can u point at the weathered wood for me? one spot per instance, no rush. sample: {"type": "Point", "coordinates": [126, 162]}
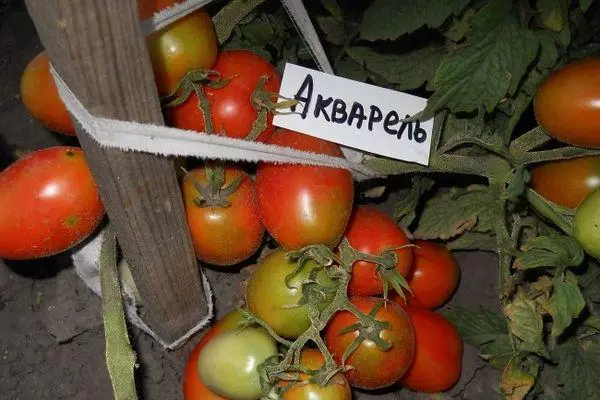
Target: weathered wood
{"type": "Point", "coordinates": [98, 48]}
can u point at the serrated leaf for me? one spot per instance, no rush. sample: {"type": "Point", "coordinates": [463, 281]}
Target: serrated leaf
{"type": "Point", "coordinates": [550, 252]}
{"type": "Point", "coordinates": [590, 282]}
{"type": "Point", "coordinates": [578, 370]}
{"type": "Point", "coordinates": [566, 303]}
{"type": "Point", "coordinates": [487, 69]}
{"type": "Point", "coordinates": [474, 241]}
{"type": "Point", "coordinates": [553, 14]}
{"type": "Point", "coordinates": [406, 71]}
{"type": "Point", "coordinates": [517, 381]}
{"type": "Point", "coordinates": [408, 16]}
{"type": "Point", "coordinates": [335, 30]}
{"type": "Point", "coordinates": [348, 68]}
{"type": "Point", "coordinates": [405, 208]}
{"type": "Point", "coordinates": [455, 212]}
{"type": "Point", "coordinates": [525, 322]}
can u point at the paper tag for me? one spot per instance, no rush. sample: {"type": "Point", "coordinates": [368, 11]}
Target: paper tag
{"type": "Point", "coordinates": [355, 114]}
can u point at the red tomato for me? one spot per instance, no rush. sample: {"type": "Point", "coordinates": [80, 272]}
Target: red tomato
{"type": "Point", "coordinates": [373, 368]}
{"type": "Point", "coordinates": [438, 356]}
{"type": "Point", "coordinates": [223, 235]}
{"type": "Point", "coordinates": [40, 96]}
{"type": "Point", "coordinates": [193, 388]}
{"type": "Point", "coordinates": [372, 231]}
{"type": "Point", "coordinates": [567, 103]}
{"type": "Point", "coordinates": [337, 388]}
{"type": "Point", "coordinates": [300, 204]}
{"type": "Point", "coordinates": [49, 202]}
{"type": "Point", "coordinates": [232, 110]}
{"type": "Point", "coordinates": [567, 182]}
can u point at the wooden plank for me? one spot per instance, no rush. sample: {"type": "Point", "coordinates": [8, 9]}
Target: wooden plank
{"type": "Point", "coordinates": [98, 48]}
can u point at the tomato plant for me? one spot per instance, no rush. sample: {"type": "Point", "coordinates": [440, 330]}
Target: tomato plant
{"type": "Point", "coordinates": [567, 103]}
{"type": "Point", "coordinates": [586, 228]}
{"type": "Point", "coordinates": [232, 109]}
{"type": "Point", "coordinates": [300, 204]}
{"type": "Point", "coordinates": [193, 387]}
{"type": "Point", "coordinates": [373, 368]}
{"type": "Point", "coordinates": [372, 231]}
{"type": "Point", "coordinates": [337, 388]}
{"type": "Point", "coordinates": [222, 215]}
{"type": "Point", "coordinates": [228, 363]}
{"type": "Point", "coordinates": [567, 182]}
{"type": "Point", "coordinates": [277, 300]}
{"type": "Point", "coordinates": [438, 353]}
{"type": "Point", "coordinates": [40, 96]}
{"type": "Point", "coordinates": [49, 202]}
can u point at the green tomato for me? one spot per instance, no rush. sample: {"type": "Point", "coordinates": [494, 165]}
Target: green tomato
{"type": "Point", "coordinates": [228, 364]}
{"type": "Point", "coordinates": [586, 229]}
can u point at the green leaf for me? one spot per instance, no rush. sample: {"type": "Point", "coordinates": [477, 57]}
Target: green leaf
{"type": "Point", "coordinates": [550, 251]}
{"type": "Point", "coordinates": [590, 282]}
{"type": "Point", "coordinates": [525, 322]}
{"type": "Point", "coordinates": [390, 19]}
{"type": "Point", "coordinates": [455, 212]}
{"type": "Point", "coordinates": [334, 9]}
{"type": "Point", "coordinates": [518, 379]}
{"type": "Point", "coordinates": [553, 14]}
{"type": "Point", "coordinates": [405, 208]}
{"type": "Point", "coordinates": [566, 303]}
{"type": "Point", "coordinates": [585, 4]}
{"type": "Point", "coordinates": [348, 68]}
{"type": "Point", "coordinates": [578, 370]}
{"type": "Point", "coordinates": [593, 322]}
{"type": "Point", "coordinates": [231, 15]}
{"type": "Point", "coordinates": [474, 241]}
{"type": "Point", "coordinates": [406, 71]}
{"type": "Point", "coordinates": [548, 50]}
{"type": "Point", "coordinates": [488, 68]}
{"type": "Point", "coordinates": [335, 30]}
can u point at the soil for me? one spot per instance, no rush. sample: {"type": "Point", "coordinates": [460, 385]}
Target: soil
{"type": "Point", "coordinates": [51, 334]}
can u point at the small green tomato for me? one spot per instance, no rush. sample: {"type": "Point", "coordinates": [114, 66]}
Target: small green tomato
{"type": "Point", "coordinates": [586, 229]}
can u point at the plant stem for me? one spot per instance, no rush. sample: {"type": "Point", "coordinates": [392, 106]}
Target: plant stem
{"type": "Point", "coordinates": [558, 154]}
{"type": "Point", "coordinates": [529, 141]}
{"type": "Point", "coordinates": [560, 216]}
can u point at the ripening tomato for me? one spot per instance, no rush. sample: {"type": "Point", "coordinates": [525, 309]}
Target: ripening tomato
{"type": "Point", "coordinates": [438, 357]}
{"type": "Point", "coordinates": [567, 103]}
{"type": "Point", "coordinates": [223, 234]}
{"type": "Point", "coordinates": [372, 231]}
{"type": "Point", "coordinates": [270, 297]}
{"type": "Point", "coordinates": [586, 228]}
{"type": "Point", "coordinates": [193, 387]}
{"type": "Point", "coordinates": [567, 182]}
{"type": "Point", "coordinates": [301, 204]}
{"type": "Point", "coordinates": [40, 96]}
{"type": "Point", "coordinates": [186, 44]}
{"type": "Point", "coordinates": [337, 388]}
{"type": "Point", "coordinates": [228, 364]}
{"type": "Point", "coordinates": [49, 202]}
{"type": "Point", "coordinates": [231, 107]}
{"type": "Point", "coordinates": [373, 368]}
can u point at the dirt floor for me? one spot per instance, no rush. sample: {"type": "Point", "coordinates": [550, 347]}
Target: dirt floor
{"type": "Point", "coordinates": [51, 335]}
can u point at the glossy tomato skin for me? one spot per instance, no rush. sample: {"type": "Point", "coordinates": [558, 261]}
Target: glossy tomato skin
{"type": "Point", "coordinates": [186, 44]}
{"type": "Point", "coordinates": [228, 363]}
{"type": "Point", "coordinates": [438, 356]}
{"type": "Point", "coordinates": [434, 276]}
{"type": "Point", "coordinates": [302, 205]}
{"type": "Point", "coordinates": [231, 107]}
{"type": "Point", "coordinates": [567, 182]}
{"type": "Point", "coordinates": [268, 297]}
{"type": "Point", "coordinates": [49, 202]}
{"type": "Point", "coordinates": [193, 387]}
{"type": "Point", "coordinates": [337, 388]}
{"type": "Point", "coordinates": [567, 103]}
{"type": "Point", "coordinates": [224, 235]}
{"type": "Point", "coordinates": [40, 96]}
{"type": "Point", "coordinates": [372, 231]}
{"type": "Point", "coordinates": [373, 368]}
{"type": "Point", "coordinates": [586, 228]}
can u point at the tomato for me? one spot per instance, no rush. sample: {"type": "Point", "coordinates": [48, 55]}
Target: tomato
{"type": "Point", "coordinates": [434, 276]}
{"type": "Point", "coordinates": [301, 204]}
{"type": "Point", "coordinates": [438, 356]}
{"type": "Point", "coordinates": [337, 388]}
{"type": "Point", "coordinates": [372, 231]}
{"type": "Point", "coordinates": [193, 387]}
{"type": "Point", "coordinates": [186, 44]}
{"type": "Point", "coordinates": [567, 182]}
{"type": "Point", "coordinates": [586, 228]}
{"type": "Point", "coordinates": [269, 298]}
{"type": "Point", "coordinates": [228, 363]}
{"type": "Point", "coordinates": [49, 202]}
{"type": "Point", "coordinates": [223, 235]}
{"type": "Point", "coordinates": [373, 368]}
{"type": "Point", "coordinates": [40, 96]}
{"type": "Point", "coordinates": [567, 103]}
{"type": "Point", "coordinates": [232, 110]}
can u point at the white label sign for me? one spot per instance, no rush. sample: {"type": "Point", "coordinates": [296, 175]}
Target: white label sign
{"type": "Point", "coordinates": [355, 114]}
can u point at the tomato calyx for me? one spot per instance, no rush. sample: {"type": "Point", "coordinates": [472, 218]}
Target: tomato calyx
{"type": "Point", "coordinates": [215, 193]}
